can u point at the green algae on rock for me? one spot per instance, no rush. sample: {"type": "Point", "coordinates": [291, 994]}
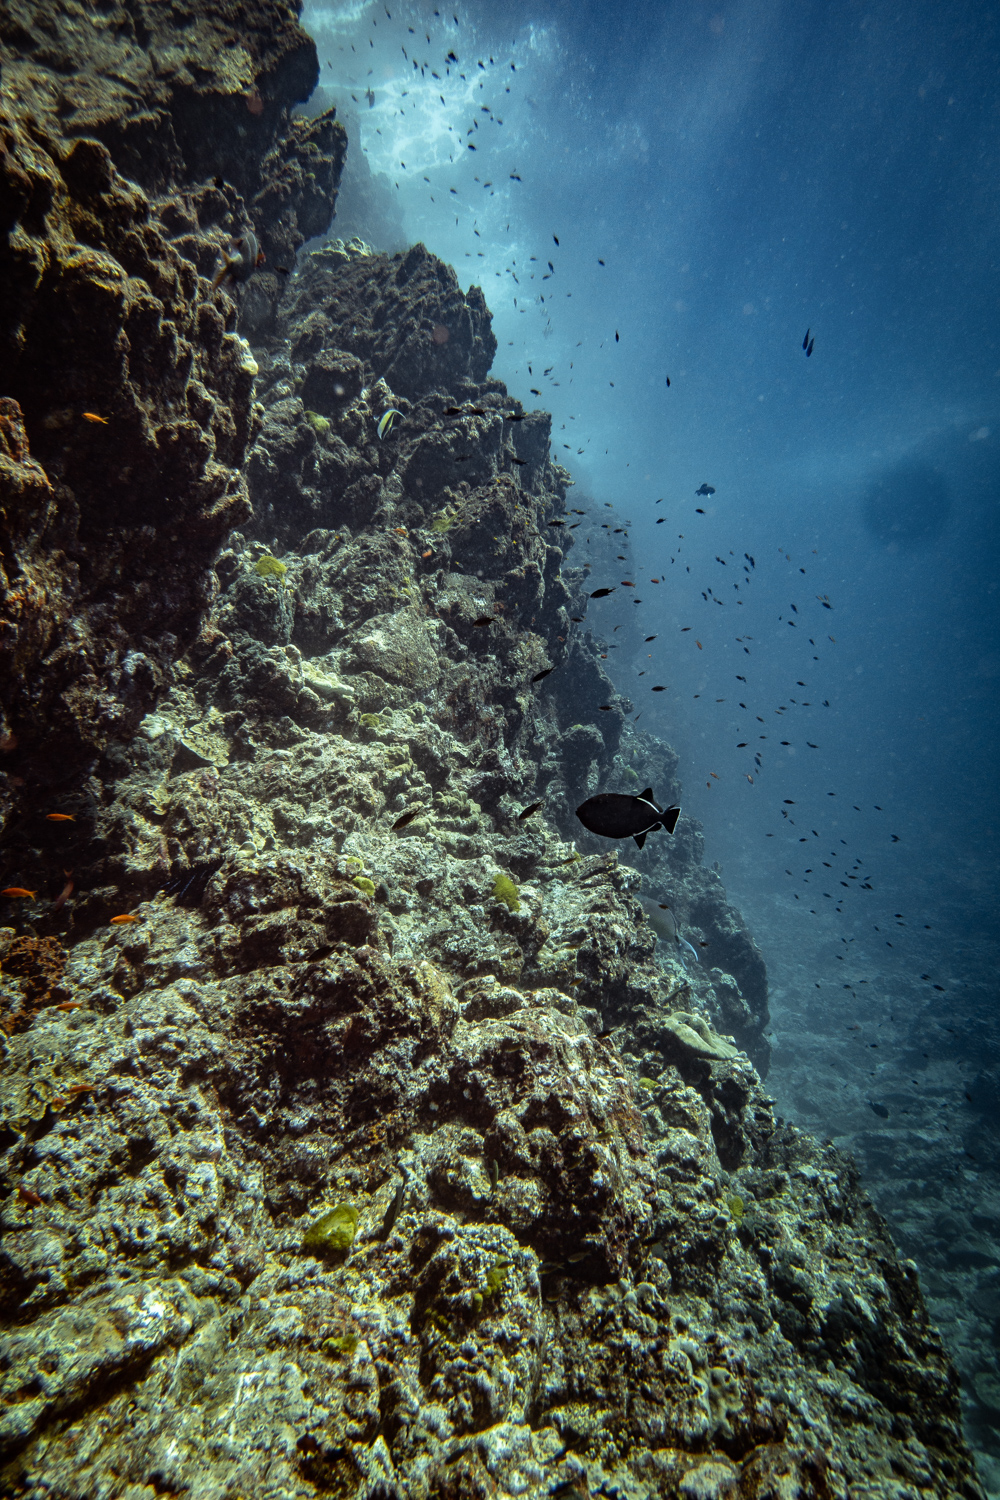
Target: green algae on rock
{"type": "Point", "coordinates": [269, 567]}
{"type": "Point", "coordinates": [506, 891]}
{"type": "Point", "coordinates": [333, 1231]}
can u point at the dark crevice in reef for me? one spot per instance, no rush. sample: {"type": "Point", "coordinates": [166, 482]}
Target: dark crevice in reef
{"type": "Point", "coordinates": [357, 1133]}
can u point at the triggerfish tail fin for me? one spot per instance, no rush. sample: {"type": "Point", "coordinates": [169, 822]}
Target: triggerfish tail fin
{"type": "Point", "coordinates": [640, 838]}
{"type": "Point", "coordinates": [670, 816]}
{"type": "Point", "coordinates": [221, 274]}
{"type": "Point", "coordinates": [684, 942]}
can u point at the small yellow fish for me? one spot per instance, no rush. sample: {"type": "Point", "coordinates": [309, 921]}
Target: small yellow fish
{"type": "Point", "coordinates": [120, 921]}
{"type": "Point", "coordinates": [18, 890]}
{"type": "Point", "coordinates": [385, 421]}
{"type": "Point", "coordinates": [91, 416]}
{"type": "Point", "coordinates": [60, 818]}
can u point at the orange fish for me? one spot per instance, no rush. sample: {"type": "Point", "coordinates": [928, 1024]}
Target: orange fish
{"type": "Point", "coordinates": [699, 645]}
{"type": "Point", "coordinates": [60, 817]}
{"type": "Point", "coordinates": [91, 416]}
{"type": "Point", "coordinates": [70, 1005]}
{"type": "Point", "coordinates": [427, 553]}
{"type": "Point", "coordinates": [399, 530]}
{"type": "Point", "coordinates": [120, 921]}
{"type": "Point", "coordinates": [18, 890]}
{"type": "Point", "coordinates": [28, 1195]}
{"type": "Point", "coordinates": [81, 1088]}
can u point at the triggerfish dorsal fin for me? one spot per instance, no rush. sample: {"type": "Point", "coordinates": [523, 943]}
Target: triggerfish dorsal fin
{"type": "Point", "coordinates": [648, 794]}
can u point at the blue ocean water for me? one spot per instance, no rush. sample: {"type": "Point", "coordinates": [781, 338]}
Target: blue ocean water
{"type": "Point", "coordinates": [663, 190]}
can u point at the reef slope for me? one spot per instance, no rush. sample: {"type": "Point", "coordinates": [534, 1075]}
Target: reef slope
{"type": "Point", "coordinates": [381, 1150]}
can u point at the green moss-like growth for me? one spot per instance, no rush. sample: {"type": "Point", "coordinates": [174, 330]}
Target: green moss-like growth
{"type": "Point", "coordinates": [269, 567]}
{"type": "Point", "coordinates": [496, 1276]}
{"type": "Point", "coordinates": [365, 885]}
{"type": "Point", "coordinates": [320, 425]}
{"type": "Point", "coordinates": [736, 1207]}
{"type": "Point", "coordinates": [332, 1233]}
{"type": "Point", "coordinates": [649, 1083]}
{"type": "Point", "coordinates": [342, 1344]}
{"type": "Point", "coordinates": [442, 522]}
{"type": "Point", "coordinates": [505, 890]}
{"type": "Point", "coordinates": [370, 721]}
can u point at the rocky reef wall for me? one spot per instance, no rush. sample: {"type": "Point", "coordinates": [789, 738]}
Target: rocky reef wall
{"type": "Point", "coordinates": [357, 1135]}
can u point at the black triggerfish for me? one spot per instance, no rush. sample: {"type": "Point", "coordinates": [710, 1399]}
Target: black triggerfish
{"type": "Point", "coordinates": [615, 815]}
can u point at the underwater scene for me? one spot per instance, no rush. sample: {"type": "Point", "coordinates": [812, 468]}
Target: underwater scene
{"type": "Point", "coordinates": [424, 1073]}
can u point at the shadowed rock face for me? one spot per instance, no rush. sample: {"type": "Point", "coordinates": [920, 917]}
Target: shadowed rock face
{"type": "Point", "coordinates": [129, 165]}
{"type": "Point", "coordinates": [348, 982]}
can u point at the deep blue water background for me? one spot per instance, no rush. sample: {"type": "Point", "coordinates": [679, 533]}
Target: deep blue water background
{"type": "Point", "coordinates": [746, 171]}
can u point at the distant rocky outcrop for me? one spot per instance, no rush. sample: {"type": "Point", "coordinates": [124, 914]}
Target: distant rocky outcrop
{"type": "Point", "coordinates": [357, 1136]}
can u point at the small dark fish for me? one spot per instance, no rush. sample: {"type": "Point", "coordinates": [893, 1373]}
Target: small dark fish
{"type": "Point", "coordinates": [190, 885]}
{"type": "Point", "coordinates": [577, 619]}
{"type": "Point", "coordinates": [616, 335]}
{"type": "Point", "coordinates": [453, 411]}
{"type": "Point", "coordinates": [650, 638]}
{"type": "Point", "coordinates": [393, 1211]}
{"type": "Point", "coordinates": [494, 1170]}
{"type": "Point", "coordinates": [658, 690]}
{"type": "Point", "coordinates": [812, 345]}
{"type": "Point", "coordinates": [513, 416]}
{"type": "Point", "coordinates": [706, 489]}
{"type": "Point", "coordinates": [539, 675]}
{"type": "Point", "coordinates": [698, 509]}
{"type": "Point", "coordinates": [521, 461]}
{"type": "Point", "coordinates": [805, 341]}
{"type": "Point", "coordinates": [528, 812]}
{"type": "Point", "coordinates": [878, 1109]}
{"type": "Point", "coordinates": [668, 382]}
{"type": "Point", "coordinates": [407, 817]}
{"type": "Point", "coordinates": [601, 593]}
{"type": "Point", "coordinates": [483, 620]}
{"type": "Point", "coordinates": [556, 523]}
{"type": "Point", "coordinates": [241, 262]}
{"type": "Point", "coordinates": [614, 815]}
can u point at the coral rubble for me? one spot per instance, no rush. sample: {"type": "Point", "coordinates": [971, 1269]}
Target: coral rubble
{"type": "Point", "coordinates": [357, 1136]}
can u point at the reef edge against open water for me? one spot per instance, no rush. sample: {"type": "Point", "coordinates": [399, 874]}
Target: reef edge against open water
{"type": "Point", "coordinates": [358, 1137]}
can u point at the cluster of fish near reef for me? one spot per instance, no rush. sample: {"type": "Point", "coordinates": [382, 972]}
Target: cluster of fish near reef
{"type": "Point", "coordinates": [357, 1135]}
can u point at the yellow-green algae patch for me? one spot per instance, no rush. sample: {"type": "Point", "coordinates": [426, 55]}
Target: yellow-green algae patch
{"type": "Point", "coordinates": [364, 884]}
{"type": "Point", "coordinates": [332, 1233]}
{"type": "Point", "coordinates": [269, 567]}
{"type": "Point", "coordinates": [505, 890]}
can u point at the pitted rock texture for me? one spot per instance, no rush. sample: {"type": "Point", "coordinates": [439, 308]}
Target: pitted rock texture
{"type": "Point", "coordinates": [128, 394]}
{"type": "Point", "coordinates": [306, 944]}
